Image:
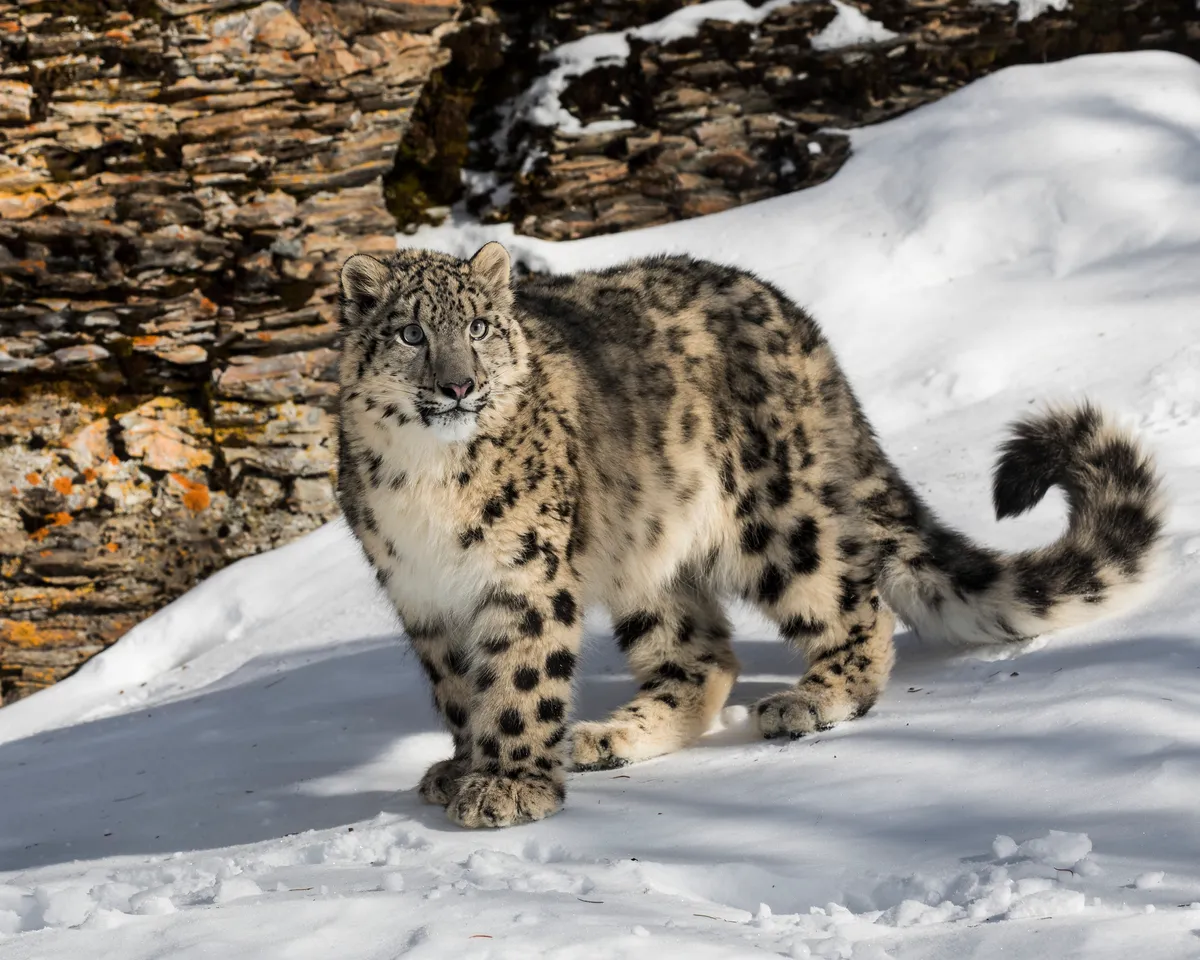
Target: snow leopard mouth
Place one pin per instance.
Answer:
(453, 412)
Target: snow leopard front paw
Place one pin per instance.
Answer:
(440, 783)
(598, 746)
(504, 800)
(796, 713)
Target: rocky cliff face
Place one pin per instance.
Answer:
(179, 183)
(181, 179)
(744, 111)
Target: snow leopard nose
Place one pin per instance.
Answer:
(456, 391)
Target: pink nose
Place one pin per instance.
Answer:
(457, 391)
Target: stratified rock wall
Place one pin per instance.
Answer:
(179, 183)
(740, 112)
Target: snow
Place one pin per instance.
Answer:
(1057, 847)
(1149, 879)
(540, 104)
(850, 27)
(1004, 847)
(686, 22)
(1032, 9)
(234, 777)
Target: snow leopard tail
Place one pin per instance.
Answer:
(945, 586)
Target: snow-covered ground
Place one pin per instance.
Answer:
(233, 779)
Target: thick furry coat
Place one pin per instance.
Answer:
(652, 438)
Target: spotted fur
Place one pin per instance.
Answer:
(651, 438)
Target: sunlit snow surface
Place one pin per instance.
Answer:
(233, 779)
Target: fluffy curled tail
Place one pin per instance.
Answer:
(944, 585)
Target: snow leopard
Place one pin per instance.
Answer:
(658, 438)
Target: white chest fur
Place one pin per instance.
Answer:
(432, 575)
(420, 523)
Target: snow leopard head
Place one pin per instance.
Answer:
(431, 339)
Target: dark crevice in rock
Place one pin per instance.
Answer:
(426, 177)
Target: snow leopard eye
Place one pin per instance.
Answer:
(412, 335)
(479, 328)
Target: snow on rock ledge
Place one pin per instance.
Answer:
(722, 104)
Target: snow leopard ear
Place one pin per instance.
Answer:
(363, 280)
(492, 265)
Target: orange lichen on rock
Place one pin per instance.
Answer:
(60, 519)
(33, 479)
(19, 632)
(195, 495)
(22, 633)
(39, 675)
(112, 546)
(166, 434)
(89, 475)
(64, 485)
(39, 535)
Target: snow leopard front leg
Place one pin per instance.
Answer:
(679, 649)
(525, 638)
(447, 665)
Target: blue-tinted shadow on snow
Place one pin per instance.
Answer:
(237, 763)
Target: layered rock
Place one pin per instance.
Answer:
(180, 180)
(744, 111)
(179, 183)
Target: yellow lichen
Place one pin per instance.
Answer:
(22, 633)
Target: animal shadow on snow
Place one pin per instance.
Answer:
(306, 741)
(323, 738)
